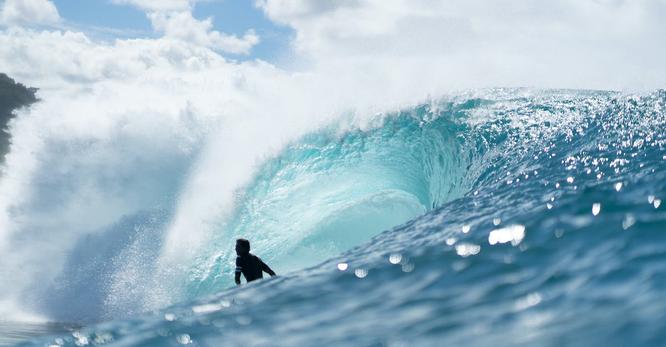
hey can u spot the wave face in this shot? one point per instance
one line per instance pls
(512, 217)
(335, 189)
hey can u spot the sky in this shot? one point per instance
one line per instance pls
(108, 20)
(598, 44)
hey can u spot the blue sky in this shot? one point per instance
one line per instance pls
(104, 19)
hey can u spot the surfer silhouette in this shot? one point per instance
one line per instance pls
(249, 264)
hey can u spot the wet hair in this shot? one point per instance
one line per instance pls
(243, 243)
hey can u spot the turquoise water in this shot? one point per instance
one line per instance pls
(496, 217)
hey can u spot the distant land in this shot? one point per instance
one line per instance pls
(13, 95)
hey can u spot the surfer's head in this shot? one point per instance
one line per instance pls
(242, 246)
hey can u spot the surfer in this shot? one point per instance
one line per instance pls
(249, 264)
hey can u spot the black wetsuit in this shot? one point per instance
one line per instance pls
(251, 267)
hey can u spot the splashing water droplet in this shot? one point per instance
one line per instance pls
(343, 266)
(549, 205)
(395, 258)
(570, 179)
(514, 234)
(650, 199)
(596, 208)
(170, 317)
(657, 203)
(465, 229)
(80, 339)
(467, 249)
(361, 273)
(618, 186)
(451, 241)
(497, 221)
(184, 339)
(206, 308)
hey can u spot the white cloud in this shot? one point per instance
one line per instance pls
(63, 59)
(183, 26)
(28, 12)
(472, 43)
(174, 19)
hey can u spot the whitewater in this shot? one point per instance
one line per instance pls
(497, 216)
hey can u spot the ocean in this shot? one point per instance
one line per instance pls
(496, 217)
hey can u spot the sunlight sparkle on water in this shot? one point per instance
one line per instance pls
(361, 273)
(343, 266)
(465, 229)
(395, 258)
(618, 186)
(596, 208)
(513, 234)
(80, 339)
(467, 249)
(207, 308)
(407, 267)
(184, 339)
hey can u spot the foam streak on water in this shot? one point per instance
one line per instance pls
(531, 220)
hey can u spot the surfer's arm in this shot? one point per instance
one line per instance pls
(266, 269)
(237, 273)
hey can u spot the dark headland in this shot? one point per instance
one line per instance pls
(13, 96)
